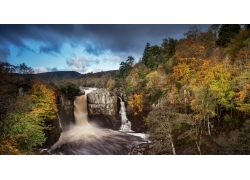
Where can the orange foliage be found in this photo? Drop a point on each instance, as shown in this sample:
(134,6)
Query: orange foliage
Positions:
(9,147)
(135,103)
(44,100)
(182,72)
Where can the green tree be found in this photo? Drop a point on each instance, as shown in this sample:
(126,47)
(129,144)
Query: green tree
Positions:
(23,128)
(146,54)
(125,67)
(151,56)
(227,33)
(169,47)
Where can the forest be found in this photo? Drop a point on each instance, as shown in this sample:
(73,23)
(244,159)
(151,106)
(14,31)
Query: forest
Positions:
(191,95)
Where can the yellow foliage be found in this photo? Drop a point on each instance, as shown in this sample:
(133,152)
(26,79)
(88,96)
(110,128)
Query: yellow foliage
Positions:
(44,100)
(9,147)
(182,72)
(135,103)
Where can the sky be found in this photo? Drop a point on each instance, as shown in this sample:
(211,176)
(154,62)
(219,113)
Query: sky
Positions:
(81,47)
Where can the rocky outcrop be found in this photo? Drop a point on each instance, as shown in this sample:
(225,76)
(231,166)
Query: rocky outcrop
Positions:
(102,102)
(141,149)
(66,112)
(102,107)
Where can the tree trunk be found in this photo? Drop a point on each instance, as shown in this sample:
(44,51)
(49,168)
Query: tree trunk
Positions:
(172,144)
(208,126)
(198,136)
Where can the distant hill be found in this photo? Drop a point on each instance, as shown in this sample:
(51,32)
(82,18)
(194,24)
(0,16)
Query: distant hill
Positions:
(98,74)
(62,75)
(58,75)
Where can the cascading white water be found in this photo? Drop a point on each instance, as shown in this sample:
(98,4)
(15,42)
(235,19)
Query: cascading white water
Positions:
(126,124)
(60,124)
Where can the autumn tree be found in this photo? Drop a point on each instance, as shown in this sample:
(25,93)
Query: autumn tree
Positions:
(238,48)
(156,84)
(242,89)
(135,103)
(25,123)
(164,129)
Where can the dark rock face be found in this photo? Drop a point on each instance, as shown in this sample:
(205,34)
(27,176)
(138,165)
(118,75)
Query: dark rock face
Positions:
(102,108)
(65,112)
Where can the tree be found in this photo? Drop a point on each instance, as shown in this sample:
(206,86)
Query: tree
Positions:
(25,123)
(151,56)
(146,54)
(242,89)
(193,32)
(169,47)
(135,103)
(44,101)
(24,69)
(214,28)
(191,49)
(227,33)
(156,84)
(125,67)
(164,129)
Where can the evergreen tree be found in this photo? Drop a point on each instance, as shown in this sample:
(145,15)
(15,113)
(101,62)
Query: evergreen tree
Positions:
(226,33)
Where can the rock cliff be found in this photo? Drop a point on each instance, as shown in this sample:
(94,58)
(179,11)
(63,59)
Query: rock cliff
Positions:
(103,108)
(102,102)
(66,112)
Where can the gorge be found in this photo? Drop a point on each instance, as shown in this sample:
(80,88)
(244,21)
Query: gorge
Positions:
(86,138)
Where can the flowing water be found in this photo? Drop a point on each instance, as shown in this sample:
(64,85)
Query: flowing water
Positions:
(87,139)
(126,124)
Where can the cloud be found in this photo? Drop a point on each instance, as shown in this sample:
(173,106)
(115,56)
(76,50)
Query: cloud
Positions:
(41,69)
(4,53)
(114,58)
(81,63)
(93,50)
(96,38)
(46,50)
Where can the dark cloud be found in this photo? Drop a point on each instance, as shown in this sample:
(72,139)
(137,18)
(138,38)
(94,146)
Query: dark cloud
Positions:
(91,49)
(4,53)
(96,38)
(49,50)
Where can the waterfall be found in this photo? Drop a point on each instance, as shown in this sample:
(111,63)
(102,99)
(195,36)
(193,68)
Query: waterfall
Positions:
(126,124)
(85,138)
(60,124)
(80,111)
